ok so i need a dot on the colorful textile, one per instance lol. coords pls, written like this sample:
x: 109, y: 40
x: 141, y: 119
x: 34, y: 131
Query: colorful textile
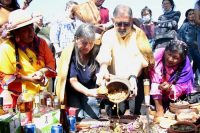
x: 62, y: 33
x: 87, y: 12
x: 8, y: 66
x: 184, y: 85
x: 148, y: 29
x: 104, y: 14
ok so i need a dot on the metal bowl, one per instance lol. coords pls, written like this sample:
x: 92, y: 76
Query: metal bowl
x: 118, y: 89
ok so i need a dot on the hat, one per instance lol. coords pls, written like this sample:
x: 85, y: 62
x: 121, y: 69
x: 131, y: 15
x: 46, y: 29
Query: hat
x: 19, y: 18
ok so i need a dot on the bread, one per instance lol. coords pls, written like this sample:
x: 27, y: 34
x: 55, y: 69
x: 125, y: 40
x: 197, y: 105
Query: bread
x: 102, y: 90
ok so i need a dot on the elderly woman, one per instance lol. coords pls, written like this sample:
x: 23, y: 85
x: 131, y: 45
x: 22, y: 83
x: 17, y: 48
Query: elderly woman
x: 77, y: 74
x: 172, y: 76
x: 26, y: 59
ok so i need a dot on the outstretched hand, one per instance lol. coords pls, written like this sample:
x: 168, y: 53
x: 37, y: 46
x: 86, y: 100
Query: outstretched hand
x: 165, y: 86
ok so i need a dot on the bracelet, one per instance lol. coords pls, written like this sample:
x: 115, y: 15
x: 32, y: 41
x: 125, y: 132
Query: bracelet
x: 42, y: 72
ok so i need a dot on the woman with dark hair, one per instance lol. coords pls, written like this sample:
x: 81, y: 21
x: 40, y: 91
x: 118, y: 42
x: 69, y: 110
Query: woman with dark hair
x: 189, y: 14
x: 77, y: 74
x: 148, y: 26
x: 167, y: 24
x: 26, y: 59
x: 188, y: 33
x: 172, y: 76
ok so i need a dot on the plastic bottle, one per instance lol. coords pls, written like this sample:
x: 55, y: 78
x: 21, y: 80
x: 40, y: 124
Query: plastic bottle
x: 7, y: 99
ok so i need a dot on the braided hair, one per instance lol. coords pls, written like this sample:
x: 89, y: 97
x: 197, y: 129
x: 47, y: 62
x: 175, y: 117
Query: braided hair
x: 35, y: 47
x: 181, y: 48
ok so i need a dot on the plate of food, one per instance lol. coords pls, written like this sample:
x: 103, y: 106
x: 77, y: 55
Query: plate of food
x: 166, y: 123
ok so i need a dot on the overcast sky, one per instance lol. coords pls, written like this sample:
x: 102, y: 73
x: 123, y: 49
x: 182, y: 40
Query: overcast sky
x: 52, y: 9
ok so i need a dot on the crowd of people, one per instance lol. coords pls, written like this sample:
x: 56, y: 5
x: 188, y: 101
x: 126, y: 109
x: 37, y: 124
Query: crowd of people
x: 90, y: 47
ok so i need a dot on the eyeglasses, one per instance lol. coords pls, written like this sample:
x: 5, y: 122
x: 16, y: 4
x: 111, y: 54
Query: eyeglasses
x: 124, y: 24
x: 166, y: 3
x: 191, y: 13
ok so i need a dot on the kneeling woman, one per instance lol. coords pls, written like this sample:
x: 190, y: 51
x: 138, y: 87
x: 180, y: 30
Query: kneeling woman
x: 172, y: 76
x: 80, y: 77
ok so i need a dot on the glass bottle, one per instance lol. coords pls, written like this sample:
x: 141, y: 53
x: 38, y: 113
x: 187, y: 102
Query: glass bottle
x: 25, y: 106
x: 56, y: 104
x: 63, y: 119
x: 37, y: 110
x: 49, y: 105
x: 45, y: 94
x: 7, y: 98
x: 147, y: 91
x: 2, y: 112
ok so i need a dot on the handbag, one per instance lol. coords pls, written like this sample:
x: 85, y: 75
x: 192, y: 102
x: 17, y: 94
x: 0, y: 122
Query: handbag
x: 193, y: 97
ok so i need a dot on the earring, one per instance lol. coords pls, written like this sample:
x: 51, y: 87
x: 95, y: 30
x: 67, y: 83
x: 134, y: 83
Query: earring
x: 17, y: 39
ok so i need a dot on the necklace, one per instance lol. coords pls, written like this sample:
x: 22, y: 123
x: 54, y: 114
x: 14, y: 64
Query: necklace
x: 83, y: 65
x: 29, y: 57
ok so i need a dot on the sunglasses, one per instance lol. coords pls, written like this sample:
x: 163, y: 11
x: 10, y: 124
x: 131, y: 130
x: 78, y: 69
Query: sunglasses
x: 124, y: 24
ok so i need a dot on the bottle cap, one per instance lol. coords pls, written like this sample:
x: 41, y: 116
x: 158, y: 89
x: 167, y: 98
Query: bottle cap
x: 5, y: 87
x: 146, y: 82
x: 1, y: 100
x: 62, y: 106
x: 72, y: 111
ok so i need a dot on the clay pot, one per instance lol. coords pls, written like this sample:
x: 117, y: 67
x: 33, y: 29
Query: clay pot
x: 173, y: 107
x: 182, y: 127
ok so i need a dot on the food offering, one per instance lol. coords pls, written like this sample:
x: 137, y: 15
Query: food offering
x: 189, y: 115
x: 118, y: 89
x: 182, y: 127
x: 178, y: 105
x: 117, y: 92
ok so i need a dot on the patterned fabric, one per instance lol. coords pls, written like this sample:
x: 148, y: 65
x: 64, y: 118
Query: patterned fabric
x: 166, y: 23
x: 148, y: 29
x: 62, y: 33
x: 104, y: 14
x: 188, y: 33
x: 87, y: 12
x: 184, y: 85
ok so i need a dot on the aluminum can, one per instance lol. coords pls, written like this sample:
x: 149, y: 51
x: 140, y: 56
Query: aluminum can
x: 72, y: 122
x: 57, y: 129
x: 30, y: 128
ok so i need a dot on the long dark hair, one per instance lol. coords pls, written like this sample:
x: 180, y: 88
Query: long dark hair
x: 34, y: 47
x: 186, y: 15
x: 181, y: 48
x: 86, y: 31
x: 146, y: 8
